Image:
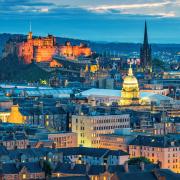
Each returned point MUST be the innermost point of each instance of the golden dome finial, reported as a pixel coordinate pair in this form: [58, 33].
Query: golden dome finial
[130, 71]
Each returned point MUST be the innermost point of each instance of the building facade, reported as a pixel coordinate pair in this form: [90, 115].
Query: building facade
[130, 94]
[61, 139]
[89, 127]
[162, 149]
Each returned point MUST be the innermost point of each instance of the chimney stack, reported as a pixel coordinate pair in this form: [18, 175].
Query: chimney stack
[72, 165]
[1, 165]
[61, 157]
[41, 162]
[126, 168]
[87, 168]
[142, 165]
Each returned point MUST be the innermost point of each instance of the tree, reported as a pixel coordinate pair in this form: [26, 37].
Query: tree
[47, 168]
[137, 160]
[157, 63]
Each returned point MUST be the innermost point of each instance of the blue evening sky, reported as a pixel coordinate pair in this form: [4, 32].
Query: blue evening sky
[96, 20]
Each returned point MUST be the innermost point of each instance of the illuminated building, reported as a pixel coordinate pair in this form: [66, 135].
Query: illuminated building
[4, 114]
[20, 171]
[89, 127]
[52, 116]
[130, 91]
[119, 172]
[14, 140]
[60, 139]
[42, 49]
[16, 116]
[54, 63]
[38, 49]
[97, 96]
[119, 140]
[164, 149]
[163, 128]
[171, 75]
[93, 68]
[72, 52]
[93, 156]
[172, 108]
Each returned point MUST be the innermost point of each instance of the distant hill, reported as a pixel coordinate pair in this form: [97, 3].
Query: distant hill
[101, 47]
[11, 69]
[32, 72]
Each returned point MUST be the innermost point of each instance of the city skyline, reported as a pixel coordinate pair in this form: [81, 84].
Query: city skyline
[96, 21]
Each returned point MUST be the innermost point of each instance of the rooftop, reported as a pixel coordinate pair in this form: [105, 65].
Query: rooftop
[117, 93]
[157, 141]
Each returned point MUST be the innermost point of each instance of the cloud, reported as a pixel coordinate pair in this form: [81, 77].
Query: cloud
[15, 7]
[129, 6]
[154, 8]
[160, 9]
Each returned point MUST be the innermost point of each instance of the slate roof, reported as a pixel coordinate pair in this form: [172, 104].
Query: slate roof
[132, 168]
[79, 169]
[32, 167]
[96, 152]
[117, 153]
[138, 176]
[16, 154]
[148, 175]
[30, 111]
[155, 141]
[66, 169]
[12, 137]
[3, 151]
[96, 170]
[116, 93]
[14, 168]
[72, 178]
[9, 168]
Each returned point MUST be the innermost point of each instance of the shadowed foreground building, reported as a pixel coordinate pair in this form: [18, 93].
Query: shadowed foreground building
[75, 163]
[162, 149]
[45, 116]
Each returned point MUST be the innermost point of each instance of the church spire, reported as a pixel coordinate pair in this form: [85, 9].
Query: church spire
[30, 26]
[145, 35]
[145, 52]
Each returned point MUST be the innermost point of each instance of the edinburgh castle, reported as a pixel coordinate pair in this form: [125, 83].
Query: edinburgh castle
[42, 49]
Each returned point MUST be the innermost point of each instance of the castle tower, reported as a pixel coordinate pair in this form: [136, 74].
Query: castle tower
[130, 90]
[145, 53]
[30, 32]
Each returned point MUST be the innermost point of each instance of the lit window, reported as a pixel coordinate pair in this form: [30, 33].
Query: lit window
[47, 123]
[24, 176]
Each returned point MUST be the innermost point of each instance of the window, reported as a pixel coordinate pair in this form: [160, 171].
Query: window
[24, 176]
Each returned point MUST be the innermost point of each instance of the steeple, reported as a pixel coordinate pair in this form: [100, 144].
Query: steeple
[145, 35]
[145, 53]
[30, 32]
